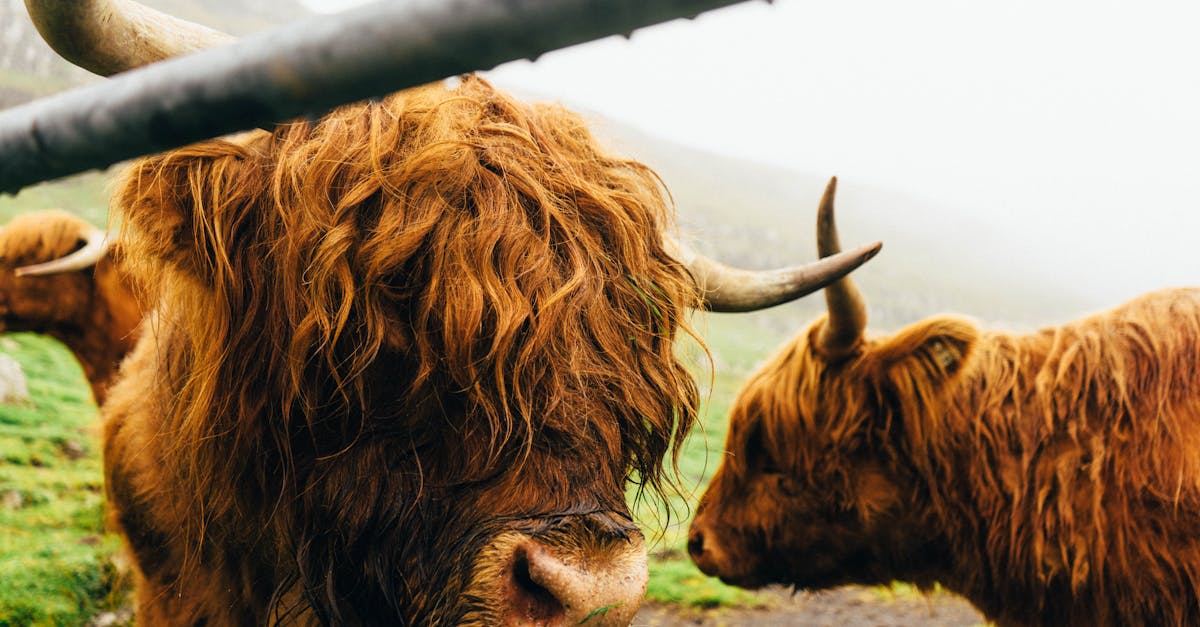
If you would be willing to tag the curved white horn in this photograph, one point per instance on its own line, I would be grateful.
(728, 289)
(96, 246)
(110, 36)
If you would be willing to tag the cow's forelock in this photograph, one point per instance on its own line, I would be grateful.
(392, 315)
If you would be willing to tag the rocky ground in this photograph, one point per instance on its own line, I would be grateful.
(843, 607)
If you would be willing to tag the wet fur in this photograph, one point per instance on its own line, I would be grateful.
(385, 339)
(1051, 478)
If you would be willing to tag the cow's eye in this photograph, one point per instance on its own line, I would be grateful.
(758, 452)
(787, 485)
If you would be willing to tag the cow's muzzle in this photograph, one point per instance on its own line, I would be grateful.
(596, 586)
(580, 569)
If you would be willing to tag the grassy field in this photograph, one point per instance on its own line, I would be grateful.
(29, 85)
(56, 564)
(83, 195)
(55, 559)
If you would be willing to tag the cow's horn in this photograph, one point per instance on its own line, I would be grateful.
(110, 36)
(843, 329)
(95, 246)
(727, 289)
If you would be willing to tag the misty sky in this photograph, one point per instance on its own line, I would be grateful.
(1071, 128)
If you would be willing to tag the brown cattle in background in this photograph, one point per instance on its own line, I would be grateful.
(91, 309)
(1051, 478)
(405, 362)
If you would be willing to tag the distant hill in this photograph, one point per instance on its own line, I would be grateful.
(758, 216)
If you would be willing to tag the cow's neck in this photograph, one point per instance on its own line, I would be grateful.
(973, 472)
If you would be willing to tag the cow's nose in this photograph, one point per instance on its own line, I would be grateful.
(695, 543)
(702, 550)
(603, 586)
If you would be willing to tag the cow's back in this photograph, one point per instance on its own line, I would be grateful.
(1085, 441)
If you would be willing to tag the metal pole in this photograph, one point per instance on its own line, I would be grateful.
(301, 69)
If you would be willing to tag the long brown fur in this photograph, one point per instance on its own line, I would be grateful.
(386, 338)
(1051, 478)
(94, 312)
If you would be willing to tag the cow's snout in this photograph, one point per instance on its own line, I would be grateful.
(704, 550)
(567, 587)
(695, 548)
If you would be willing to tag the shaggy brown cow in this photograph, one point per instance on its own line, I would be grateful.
(1051, 478)
(89, 305)
(405, 362)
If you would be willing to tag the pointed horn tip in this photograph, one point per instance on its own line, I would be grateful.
(851, 260)
(56, 266)
(830, 192)
(825, 207)
(40, 269)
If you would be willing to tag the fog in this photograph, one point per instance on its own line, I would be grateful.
(1069, 129)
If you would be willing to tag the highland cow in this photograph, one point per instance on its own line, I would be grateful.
(405, 362)
(56, 279)
(1051, 478)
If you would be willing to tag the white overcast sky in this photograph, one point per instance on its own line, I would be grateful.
(1070, 126)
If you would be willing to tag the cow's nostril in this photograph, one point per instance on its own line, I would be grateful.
(602, 586)
(705, 552)
(531, 601)
(695, 544)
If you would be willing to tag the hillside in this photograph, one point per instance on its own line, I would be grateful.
(759, 215)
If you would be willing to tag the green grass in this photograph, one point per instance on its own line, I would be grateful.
(55, 559)
(737, 344)
(33, 85)
(83, 195)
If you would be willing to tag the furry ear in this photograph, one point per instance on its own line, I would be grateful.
(177, 207)
(932, 350)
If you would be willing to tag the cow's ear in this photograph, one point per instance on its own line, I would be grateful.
(932, 350)
(174, 206)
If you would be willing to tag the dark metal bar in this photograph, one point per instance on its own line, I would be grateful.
(301, 69)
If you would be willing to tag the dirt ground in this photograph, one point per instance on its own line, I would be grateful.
(843, 607)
